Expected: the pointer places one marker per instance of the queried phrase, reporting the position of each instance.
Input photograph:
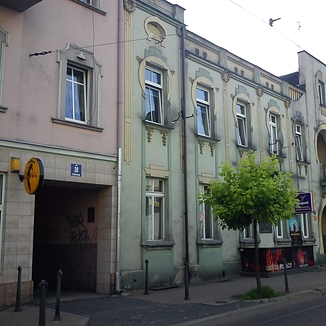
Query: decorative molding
(225, 76)
(201, 146)
(212, 147)
(129, 5)
(164, 137)
(287, 103)
(280, 162)
(149, 133)
(259, 91)
(241, 152)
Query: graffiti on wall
(78, 233)
(46, 233)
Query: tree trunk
(256, 257)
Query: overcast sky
(242, 27)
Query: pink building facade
(58, 104)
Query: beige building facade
(58, 104)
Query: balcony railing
(19, 5)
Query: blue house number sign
(76, 170)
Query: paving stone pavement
(166, 306)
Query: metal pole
(19, 283)
(186, 279)
(42, 285)
(285, 277)
(57, 303)
(146, 277)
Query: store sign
(306, 203)
(76, 170)
(33, 175)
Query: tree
(251, 193)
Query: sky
(242, 27)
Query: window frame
(157, 87)
(2, 190)
(4, 36)
(304, 225)
(85, 60)
(299, 143)
(206, 215)
(85, 98)
(279, 230)
(150, 221)
(242, 120)
(251, 233)
(273, 141)
(321, 93)
(203, 104)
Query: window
(79, 88)
(94, 3)
(248, 232)
(153, 81)
(321, 92)
(155, 209)
(304, 218)
(3, 44)
(203, 116)
(1, 208)
(273, 128)
(298, 142)
(242, 134)
(206, 220)
(75, 94)
(279, 230)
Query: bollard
(43, 284)
(19, 284)
(146, 277)
(285, 277)
(57, 303)
(186, 280)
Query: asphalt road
(304, 311)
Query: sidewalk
(213, 293)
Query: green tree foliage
(251, 193)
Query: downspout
(185, 179)
(120, 108)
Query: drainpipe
(119, 137)
(185, 179)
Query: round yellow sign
(33, 175)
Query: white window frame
(83, 109)
(93, 3)
(298, 142)
(203, 113)
(321, 92)
(279, 229)
(248, 232)
(154, 195)
(273, 129)
(304, 224)
(2, 190)
(242, 130)
(3, 44)
(206, 220)
(154, 102)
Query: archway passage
(65, 237)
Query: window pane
(1, 186)
(241, 109)
(242, 132)
(69, 100)
(202, 95)
(158, 219)
(208, 223)
(153, 105)
(202, 120)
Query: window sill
(3, 109)
(159, 245)
(308, 241)
(90, 7)
(157, 126)
(76, 124)
(283, 241)
(207, 138)
(210, 243)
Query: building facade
(58, 122)
(189, 106)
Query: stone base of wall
(8, 293)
